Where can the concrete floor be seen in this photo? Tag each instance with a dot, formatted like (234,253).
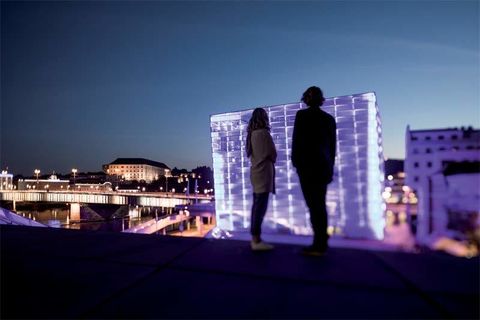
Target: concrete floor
(60,273)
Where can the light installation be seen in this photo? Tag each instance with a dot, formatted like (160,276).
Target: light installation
(354,200)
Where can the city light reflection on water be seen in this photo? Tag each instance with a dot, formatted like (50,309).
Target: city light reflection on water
(59,218)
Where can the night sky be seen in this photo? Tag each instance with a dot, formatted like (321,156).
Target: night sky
(83,83)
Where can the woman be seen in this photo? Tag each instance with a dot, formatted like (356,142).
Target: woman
(262,153)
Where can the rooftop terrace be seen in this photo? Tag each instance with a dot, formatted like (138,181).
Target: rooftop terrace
(60,273)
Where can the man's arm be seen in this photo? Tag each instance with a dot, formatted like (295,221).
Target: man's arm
(333,142)
(295,139)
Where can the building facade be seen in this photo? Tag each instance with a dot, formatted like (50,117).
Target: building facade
(455,202)
(92,187)
(354,199)
(139,169)
(401,201)
(50,184)
(6,180)
(428,152)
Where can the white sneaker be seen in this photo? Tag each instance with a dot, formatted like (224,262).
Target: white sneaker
(260,246)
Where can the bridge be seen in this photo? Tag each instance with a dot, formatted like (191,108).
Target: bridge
(107,203)
(199,206)
(186,213)
(146,199)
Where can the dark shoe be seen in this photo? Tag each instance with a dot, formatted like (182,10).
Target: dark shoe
(260,246)
(314,251)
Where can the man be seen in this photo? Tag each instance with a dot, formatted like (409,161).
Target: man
(313,155)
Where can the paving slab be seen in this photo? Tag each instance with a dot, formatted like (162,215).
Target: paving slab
(155,253)
(51,273)
(112,246)
(460,306)
(32,239)
(435,272)
(342,266)
(188,294)
(49,287)
(22,235)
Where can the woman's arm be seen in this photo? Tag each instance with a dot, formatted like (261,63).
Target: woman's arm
(271,147)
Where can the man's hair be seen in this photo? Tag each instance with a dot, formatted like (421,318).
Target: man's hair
(313,97)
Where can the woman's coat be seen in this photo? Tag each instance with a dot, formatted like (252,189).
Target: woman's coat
(264,155)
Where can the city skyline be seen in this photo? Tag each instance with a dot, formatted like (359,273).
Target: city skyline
(84,83)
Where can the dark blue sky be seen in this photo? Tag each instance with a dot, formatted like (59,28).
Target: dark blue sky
(83,83)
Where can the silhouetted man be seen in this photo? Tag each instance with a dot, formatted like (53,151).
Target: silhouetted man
(313,154)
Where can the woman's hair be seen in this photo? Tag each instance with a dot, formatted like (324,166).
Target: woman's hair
(259,120)
(313,97)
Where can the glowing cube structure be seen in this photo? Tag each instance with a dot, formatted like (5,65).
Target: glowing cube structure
(354,199)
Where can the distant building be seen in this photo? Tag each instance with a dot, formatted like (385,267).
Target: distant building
(428,153)
(394,181)
(91,187)
(6,180)
(50,184)
(393,167)
(396,190)
(453,205)
(139,169)
(89,178)
(401,201)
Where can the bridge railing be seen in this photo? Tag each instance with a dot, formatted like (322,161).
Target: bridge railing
(158,199)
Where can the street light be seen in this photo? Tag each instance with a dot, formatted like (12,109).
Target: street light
(37,172)
(74,171)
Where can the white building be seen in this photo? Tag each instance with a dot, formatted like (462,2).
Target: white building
(137,169)
(50,184)
(6,180)
(427,154)
(455,195)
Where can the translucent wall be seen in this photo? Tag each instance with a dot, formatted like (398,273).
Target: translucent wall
(354,200)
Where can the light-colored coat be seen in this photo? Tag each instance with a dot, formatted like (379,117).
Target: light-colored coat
(264,155)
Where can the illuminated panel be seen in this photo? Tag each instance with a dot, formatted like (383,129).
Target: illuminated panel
(355,205)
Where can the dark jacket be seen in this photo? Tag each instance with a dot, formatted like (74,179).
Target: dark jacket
(314,143)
